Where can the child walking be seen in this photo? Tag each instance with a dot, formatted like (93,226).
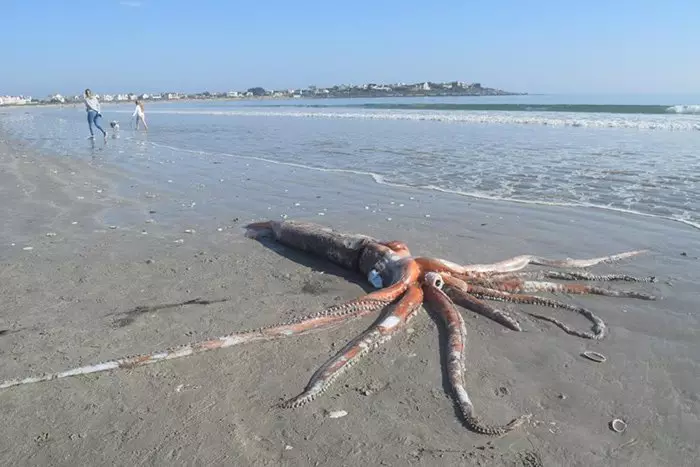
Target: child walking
(140,115)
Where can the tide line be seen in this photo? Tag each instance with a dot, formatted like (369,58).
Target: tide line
(381,180)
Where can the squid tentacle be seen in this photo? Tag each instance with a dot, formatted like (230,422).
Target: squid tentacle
(377,334)
(325,319)
(517,263)
(521,286)
(458,291)
(597,332)
(457,331)
(568,276)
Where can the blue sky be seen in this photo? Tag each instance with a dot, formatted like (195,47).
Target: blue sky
(548,46)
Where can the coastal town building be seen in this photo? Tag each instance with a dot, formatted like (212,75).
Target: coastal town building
(419,89)
(15,100)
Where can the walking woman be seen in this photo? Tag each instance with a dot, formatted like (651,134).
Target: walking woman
(139,114)
(92,107)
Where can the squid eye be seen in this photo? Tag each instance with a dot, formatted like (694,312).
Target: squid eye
(375,279)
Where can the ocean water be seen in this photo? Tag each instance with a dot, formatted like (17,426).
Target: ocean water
(619,153)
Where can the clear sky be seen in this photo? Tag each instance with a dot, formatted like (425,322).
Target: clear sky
(557,46)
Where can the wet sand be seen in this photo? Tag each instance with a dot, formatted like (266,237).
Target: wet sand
(69,301)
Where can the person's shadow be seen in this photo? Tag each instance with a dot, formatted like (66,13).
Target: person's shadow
(93,149)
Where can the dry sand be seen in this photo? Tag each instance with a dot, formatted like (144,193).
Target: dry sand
(67,302)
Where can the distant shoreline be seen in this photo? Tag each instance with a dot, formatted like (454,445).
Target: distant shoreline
(353,94)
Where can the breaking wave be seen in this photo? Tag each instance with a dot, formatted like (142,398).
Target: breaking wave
(625,109)
(667,122)
(684,109)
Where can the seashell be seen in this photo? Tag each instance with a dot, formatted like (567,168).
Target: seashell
(618,426)
(337,414)
(595,356)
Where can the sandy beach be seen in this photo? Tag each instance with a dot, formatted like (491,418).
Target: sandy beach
(84,243)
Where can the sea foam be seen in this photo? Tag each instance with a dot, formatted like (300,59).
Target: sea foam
(684,109)
(637,122)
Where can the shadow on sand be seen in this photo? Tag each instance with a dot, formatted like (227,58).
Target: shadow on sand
(312,262)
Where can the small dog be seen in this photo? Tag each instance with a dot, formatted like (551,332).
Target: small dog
(115,126)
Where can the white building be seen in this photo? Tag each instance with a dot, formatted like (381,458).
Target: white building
(14,100)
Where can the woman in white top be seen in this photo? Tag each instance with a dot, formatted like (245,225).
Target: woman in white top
(92,107)
(140,116)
